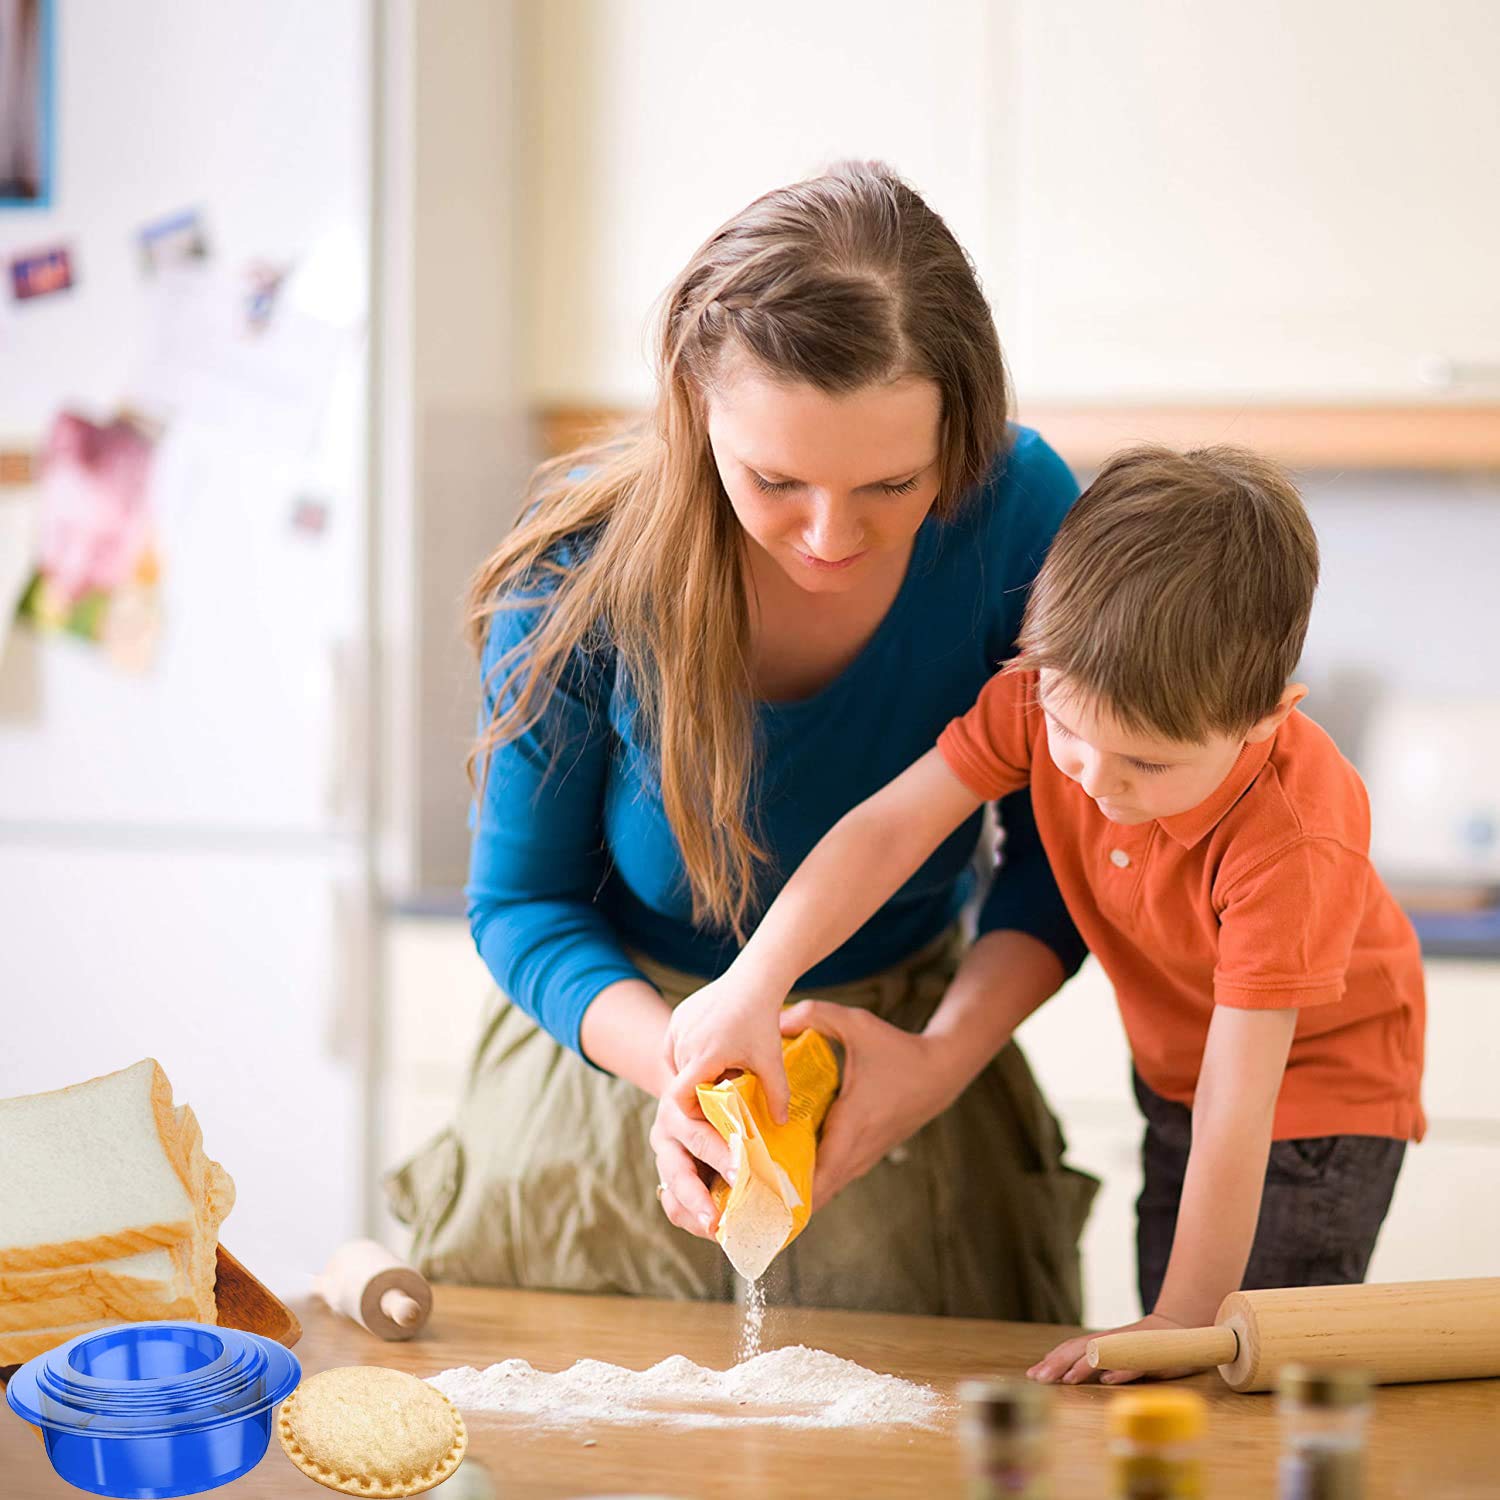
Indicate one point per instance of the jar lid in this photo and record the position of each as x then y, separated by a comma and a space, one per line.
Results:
1158, 1416
1005, 1405
1329, 1388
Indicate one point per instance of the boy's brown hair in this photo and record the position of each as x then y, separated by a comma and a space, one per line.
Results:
1177, 591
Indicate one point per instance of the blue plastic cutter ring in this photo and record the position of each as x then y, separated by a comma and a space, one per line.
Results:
148, 1410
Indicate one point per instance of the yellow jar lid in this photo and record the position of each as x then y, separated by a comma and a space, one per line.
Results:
1158, 1416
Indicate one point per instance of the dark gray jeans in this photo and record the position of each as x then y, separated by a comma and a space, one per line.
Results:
1324, 1202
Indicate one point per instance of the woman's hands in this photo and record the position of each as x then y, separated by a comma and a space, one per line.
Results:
894, 1083
729, 1024
681, 1140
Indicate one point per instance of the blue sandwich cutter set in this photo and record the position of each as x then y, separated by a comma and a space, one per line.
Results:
147, 1410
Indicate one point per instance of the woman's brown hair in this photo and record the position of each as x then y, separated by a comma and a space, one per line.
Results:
841, 282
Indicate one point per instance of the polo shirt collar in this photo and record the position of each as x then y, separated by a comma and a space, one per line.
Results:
1188, 828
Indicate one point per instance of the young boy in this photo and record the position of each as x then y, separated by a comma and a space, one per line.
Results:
1211, 844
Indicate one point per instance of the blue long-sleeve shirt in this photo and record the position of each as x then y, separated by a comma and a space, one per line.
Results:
573, 860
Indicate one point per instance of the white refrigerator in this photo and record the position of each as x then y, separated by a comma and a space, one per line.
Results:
185, 851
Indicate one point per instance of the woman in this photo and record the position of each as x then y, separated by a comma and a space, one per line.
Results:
701, 645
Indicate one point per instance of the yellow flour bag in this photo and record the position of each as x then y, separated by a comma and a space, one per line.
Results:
771, 1200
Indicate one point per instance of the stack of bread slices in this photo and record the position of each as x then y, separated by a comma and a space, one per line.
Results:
109, 1211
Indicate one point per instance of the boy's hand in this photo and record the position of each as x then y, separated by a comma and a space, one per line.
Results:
1068, 1363
681, 1141
894, 1082
728, 1024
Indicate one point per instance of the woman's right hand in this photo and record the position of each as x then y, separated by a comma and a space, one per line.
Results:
731, 1023
681, 1140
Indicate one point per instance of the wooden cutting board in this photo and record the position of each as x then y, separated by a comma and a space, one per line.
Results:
243, 1303
250, 1306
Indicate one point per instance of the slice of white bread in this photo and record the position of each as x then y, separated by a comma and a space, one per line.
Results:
17, 1348
107, 1169
128, 1169
182, 1287
213, 1193
86, 1307
152, 1273
154, 1284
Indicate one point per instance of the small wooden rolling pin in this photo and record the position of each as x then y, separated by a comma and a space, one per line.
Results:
364, 1281
1401, 1331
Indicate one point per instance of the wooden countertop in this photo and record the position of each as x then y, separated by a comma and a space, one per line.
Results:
1441, 1442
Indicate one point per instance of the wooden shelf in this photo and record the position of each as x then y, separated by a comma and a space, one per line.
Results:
17, 466
560, 429
1451, 438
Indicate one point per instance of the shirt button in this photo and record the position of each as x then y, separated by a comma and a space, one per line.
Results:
1119, 858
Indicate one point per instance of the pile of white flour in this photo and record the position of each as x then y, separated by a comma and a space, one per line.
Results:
792, 1387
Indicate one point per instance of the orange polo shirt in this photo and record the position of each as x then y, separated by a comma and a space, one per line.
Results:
1261, 897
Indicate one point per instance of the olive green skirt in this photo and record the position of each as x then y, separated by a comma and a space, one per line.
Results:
546, 1179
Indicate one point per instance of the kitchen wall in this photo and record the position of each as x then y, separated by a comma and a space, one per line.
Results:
1410, 595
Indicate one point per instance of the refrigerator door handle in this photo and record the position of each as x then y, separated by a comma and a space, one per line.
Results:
350, 961
347, 762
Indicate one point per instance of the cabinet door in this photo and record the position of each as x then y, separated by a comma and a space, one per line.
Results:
653, 123
1445, 1217
436, 989
1276, 201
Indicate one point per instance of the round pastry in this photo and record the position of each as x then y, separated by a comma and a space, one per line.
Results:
366, 1430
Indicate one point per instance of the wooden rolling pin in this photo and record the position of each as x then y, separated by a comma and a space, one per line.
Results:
364, 1281
1401, 1331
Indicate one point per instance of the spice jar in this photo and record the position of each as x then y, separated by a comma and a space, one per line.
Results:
1155, 1438
1004, 1435
1323, 1418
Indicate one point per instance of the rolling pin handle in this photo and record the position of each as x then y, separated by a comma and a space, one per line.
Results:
402, 1310
1164, 1349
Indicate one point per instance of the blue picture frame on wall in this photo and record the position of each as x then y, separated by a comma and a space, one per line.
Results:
26, 103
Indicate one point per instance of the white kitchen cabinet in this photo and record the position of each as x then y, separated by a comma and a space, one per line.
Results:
1078, 1052
436, 987
652, 125
1277, 202
1445, 1219
1166, 201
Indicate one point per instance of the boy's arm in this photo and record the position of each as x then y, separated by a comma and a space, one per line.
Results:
1286, 932
852, 871
1233, 1108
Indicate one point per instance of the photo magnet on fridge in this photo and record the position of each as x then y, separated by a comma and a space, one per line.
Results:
41, 273
171, 241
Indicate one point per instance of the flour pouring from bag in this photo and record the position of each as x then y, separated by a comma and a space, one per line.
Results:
770, 1200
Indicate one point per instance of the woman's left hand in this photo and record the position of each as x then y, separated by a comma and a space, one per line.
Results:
1069, 1363
894, 1083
